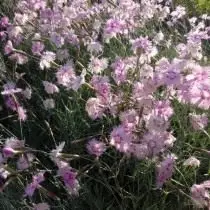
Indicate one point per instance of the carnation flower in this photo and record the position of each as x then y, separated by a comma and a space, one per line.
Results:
50, 88
30, 188
165, 171
97, 65
69, 177
46, 59
192, 161
37, 48
11, 146
49, 103
95, 147
200, 194
95, 108
198, 122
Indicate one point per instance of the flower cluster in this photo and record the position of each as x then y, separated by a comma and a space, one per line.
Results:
69, 41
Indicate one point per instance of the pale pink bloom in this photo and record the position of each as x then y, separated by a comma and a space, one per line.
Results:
30, 188
156, 123
66, 75
94, 47
69, 177
165, 171
37, 48
21, 113
56, 153
24, 161
120, 139
46, 59
95, 147
50, 88
97, 65
198, 122
62, 54
4, 173
42, 206
102, 86
57, 39
19, 58
49, 103
10, 88
8, 47
27, 93
163, 109
178, 13
200, 194
11, 146
94, 108
120, 71
139, 151
192, 161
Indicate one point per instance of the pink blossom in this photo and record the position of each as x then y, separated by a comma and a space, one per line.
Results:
21, 113
120, 139
97, 65
8, 47
95, 147
49, 103
46, 59
11, 146
69, 177
94, 108
19, 58
50, 88
37, 48
165, 171
30, 188
200, 194
198, 122
192, 161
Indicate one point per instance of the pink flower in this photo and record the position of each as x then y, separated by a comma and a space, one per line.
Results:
46, 59
37, 48
121, 140
8, 47
192, 161
198, 122
50, 88
101, 85
30, 188
95, 147
4, 22
24, 161
163, 109
98, 65
21, 113
66, 75
49, 103
200, 194
19, 58
94, 108
69, 177
11, 146
120, 71
165, 171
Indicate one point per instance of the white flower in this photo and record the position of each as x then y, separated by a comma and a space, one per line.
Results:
192, 161
49, 103
46, 59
